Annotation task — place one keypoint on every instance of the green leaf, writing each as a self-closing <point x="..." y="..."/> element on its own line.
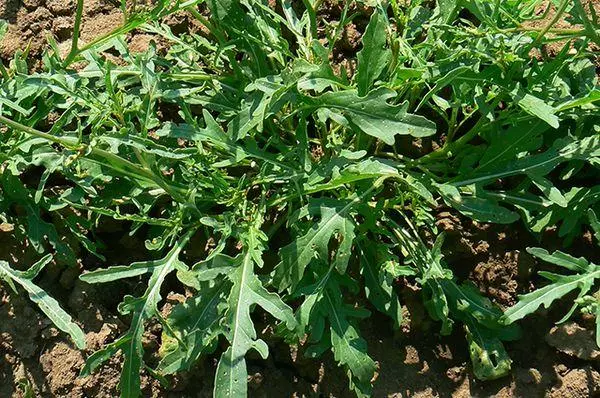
<point x="587" y="149"/>
<point x="255" y="112"/>
<point x="223" y="9"/>
<point x="196" y="326"/>
<point x="110" y="274"/>
<point x="214" y="135"/>
<point x="529" y="303"/>
<point x="468" y="304"/>
<point x="537" y="107"/>
<point x="595" y="224"/>
<point x="437" y="306"/>
<point x="488" y="355"/>
<point x="507" y="144"/>
<point x="373" y="115"/>
<point x="267" y="95"/>
<point x="485" y="210"/>
<point x="560" y="284"/>
<point x="144" y="145"/>
<point x="378" y="279"/>
<point x="324" y="302"/>
<point x="545" y="214"/>
<point x="445" y="10"/>
<point x="477" y="208"/>
<point x="589" y="98"/>
<point x="341" y="171"/>
<point x="38" y="230"/>
<point x="3" y="28"/>
<point x="444" y="81"/>
<point x="349" y="349"/>
<point x="549" y="190"/>
<point x="561" y="259"/>
<point x="247" y="290"/>
<point x="484" y="331"/>
<point x="47" y="304"/>
<point x="143" y="308"/>
<point x="374" y="56"/>
<point x="448" y="301"/>
<point x="296" y="256"/>
<point x="598" y="325"/>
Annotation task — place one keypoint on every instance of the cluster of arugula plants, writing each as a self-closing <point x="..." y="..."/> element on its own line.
<point x="248" y="136"/>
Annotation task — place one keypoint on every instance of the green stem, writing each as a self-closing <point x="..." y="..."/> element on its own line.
<point x="3" y="71"/>
<point x="452" y="127"/>
<point x="115" y="162"/>
<point x="70" y="143"/>
<point x="574" y="32"/>
<point x="330" y="186"/>
<point x="312" y="15"/>
<point x="559" y="12"/>
<point x="76" y="29"/>
<point x="116" y="32"/>
<point x="187" y="76"/>
<point x="453" y="146"/>
<point x="205" y="22"/>
<point x="396" y="11"/>
<point x="132" y="23"/>
<point x="220" y="38"/>
<point x="134" y="170"/>
<point x="590" y="28"/>
<point x="340" y="27"/>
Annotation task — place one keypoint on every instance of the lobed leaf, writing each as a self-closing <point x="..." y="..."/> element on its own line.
<point x="143" y="308"/>
<point x="378" y="280"/>
<point x="47" y="304"/>
<point x="373" y="115"/>
<point x="247" y="290"/>
<point x="560" y="284"/>
<point x="295" y="257"/>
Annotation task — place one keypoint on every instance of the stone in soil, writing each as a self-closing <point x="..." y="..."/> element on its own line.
<point x="573" y="340"/>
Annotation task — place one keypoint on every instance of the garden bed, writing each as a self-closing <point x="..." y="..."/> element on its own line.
<point x="412" y="360"/>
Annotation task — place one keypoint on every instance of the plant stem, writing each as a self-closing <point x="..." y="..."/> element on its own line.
<point x="70" y="143"/>
<point x="115" y="162"/>
<point x="340" y="27"/>
<point x="590" y="28"/>
<point x="330" y="186"/>
<point x="452" y="127"/>
<point x="312" y="15"/>
<point x="3" y="71"/>
<point x="453" y="146"/>
<point x="559" y="12"/>
<point x="75" y="40"/>
<point x="558" y="31"/>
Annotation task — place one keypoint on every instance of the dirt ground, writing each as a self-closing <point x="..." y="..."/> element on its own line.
<point x="36" y="360"/>
<point x="416" y="361"/>
<point x="32" y="21"/>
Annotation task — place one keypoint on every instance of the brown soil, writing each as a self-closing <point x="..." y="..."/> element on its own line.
<point x="31" y="22"/>
<point x="413" y="362"/>
<point x="555" y="47"/>
<point x="35" y="358"/>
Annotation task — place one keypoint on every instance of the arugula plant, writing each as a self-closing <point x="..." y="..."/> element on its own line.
<point x="47" y="304"/>
<point x="247" y="136"/>
<point x="560" y="285"/>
